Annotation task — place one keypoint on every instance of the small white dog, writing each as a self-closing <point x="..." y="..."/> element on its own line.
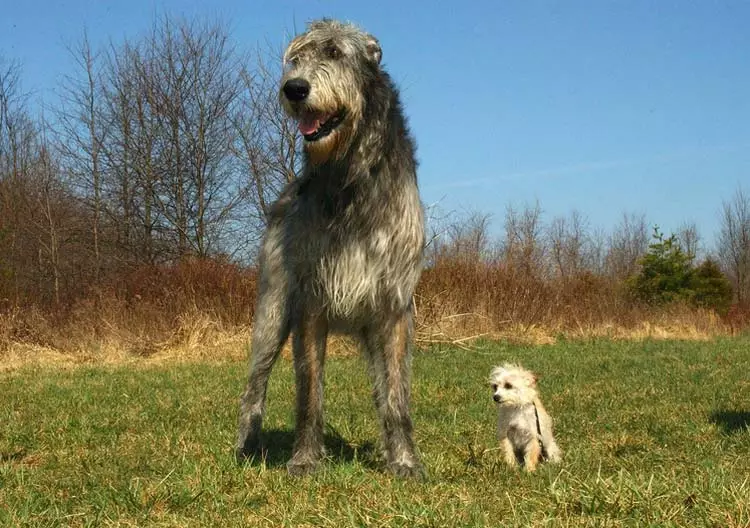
<point x="524" y="428"/>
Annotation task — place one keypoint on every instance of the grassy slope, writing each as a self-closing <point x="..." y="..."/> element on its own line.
<point x="654" y="433"/>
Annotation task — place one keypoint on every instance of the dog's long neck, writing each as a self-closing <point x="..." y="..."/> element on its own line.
<point x="382" y="132"/>
<point x="381" y="148"/>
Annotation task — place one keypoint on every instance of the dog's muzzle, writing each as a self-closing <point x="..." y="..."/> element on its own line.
<point x="313" y="125"/>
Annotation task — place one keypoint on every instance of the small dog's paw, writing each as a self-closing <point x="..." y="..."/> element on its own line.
<point x="554" y="456"/>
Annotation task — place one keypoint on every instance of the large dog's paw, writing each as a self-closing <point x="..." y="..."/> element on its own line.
<point x="244" y="454"/>
<point x="300" y="468"/>
<point x="249" y="449"/>
<point x="413" y="470"/>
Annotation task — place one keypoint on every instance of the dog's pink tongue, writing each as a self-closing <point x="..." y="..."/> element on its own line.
<point x="309" y="124"/>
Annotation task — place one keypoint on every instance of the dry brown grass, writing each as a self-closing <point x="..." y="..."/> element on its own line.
<point x="462" y="300"/>
<point x="202" y="310"/>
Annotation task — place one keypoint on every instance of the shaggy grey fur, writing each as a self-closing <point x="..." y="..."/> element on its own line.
<point x="344" y="246"/>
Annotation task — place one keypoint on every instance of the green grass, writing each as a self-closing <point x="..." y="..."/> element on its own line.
<point x="654" y="434"/>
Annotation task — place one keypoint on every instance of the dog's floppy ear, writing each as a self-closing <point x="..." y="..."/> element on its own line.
<point x="531" y="377"/>
<point x="374" y="52"/>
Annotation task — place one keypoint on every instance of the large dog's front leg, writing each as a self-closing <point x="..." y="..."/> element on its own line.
<point x="309" y="348"/>
<point x="270" y="331"/>
<point x="389" y="352"/>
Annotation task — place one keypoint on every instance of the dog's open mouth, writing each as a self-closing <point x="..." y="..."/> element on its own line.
<point x="314" y="126"/>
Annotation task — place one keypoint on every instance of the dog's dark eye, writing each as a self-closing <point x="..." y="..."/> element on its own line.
<point x="291" y="62"/>
<point x="332" y="52"/>
<point x="494" y="387"/>
<point x="507" y="386"/>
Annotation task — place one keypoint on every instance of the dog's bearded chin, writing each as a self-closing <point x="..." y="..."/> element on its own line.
<point x="317" y="125"/>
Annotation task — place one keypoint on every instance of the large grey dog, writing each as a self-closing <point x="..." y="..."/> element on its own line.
<point x="344" y="246"/>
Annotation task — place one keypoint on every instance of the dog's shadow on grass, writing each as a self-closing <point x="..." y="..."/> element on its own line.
<point x="277" y="445"/>
<point x="731" y="421"/>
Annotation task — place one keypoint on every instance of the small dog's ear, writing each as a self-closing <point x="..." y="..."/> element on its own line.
<point x="530" y="377"/>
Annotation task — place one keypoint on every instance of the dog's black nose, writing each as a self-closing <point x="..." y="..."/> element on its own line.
<point x="496" y="397"/>
<point x="296" y="89"/>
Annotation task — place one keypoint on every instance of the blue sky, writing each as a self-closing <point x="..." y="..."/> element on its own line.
<point x="601" y="106"/>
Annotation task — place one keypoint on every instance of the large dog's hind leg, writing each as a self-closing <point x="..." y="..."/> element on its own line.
<point x="389" y="352"/>
<point x="270" y="330"/>
<point x="309" y="348"/>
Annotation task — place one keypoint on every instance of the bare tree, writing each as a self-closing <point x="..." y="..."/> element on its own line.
<point x="48" y="224"/>
<point x="193" y="94"/>
<point x="468" y="237"/>
<point x="734" y="243"/>
<point x="165" y="146"/>
<point x="151" y="130"/>
<point x="437" y="222"/>
<point x="524" y="245"/>
<point x="37" y="210"/>
<point x="596" y="252"/>
<point x="627" y="243"/>
<point x="129" y="154"/>
<point x="690" y="240"/>
<point x="178" y="148"/>
<point x="267" y="140"/>
<point x="17" y="145"/>
<point x="16" y="128"/>
<point x="83" y="134"/>
<point x="568" y="241"/>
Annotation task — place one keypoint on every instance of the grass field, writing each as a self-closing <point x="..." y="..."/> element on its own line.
<point x="655" y="433"/>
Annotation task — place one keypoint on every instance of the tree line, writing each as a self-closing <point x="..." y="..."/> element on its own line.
<point x="635" y="254"/>
<point x="166" y="147"/>
<point x="172" y="146"/>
